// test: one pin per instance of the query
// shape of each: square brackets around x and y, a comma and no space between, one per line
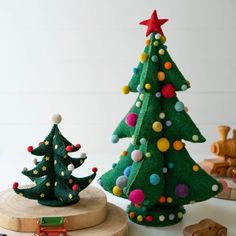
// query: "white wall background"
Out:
[73,57]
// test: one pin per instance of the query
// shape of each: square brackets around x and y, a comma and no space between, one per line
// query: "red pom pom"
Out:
[75,187]
[15,185]
[95,169]
[69,148]
[149,218]
[78,146]
[30,149]
[168,91]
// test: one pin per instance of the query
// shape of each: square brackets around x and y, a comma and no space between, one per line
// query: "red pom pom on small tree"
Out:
[15,185]
[75,187]
[30,148]
[78,146]
[95,169]
[69,148]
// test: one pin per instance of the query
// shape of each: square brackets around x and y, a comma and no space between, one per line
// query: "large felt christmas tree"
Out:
[54,183]
[156,173]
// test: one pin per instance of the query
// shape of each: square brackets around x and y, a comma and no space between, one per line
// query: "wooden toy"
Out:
[225,150]
[206,227]
[52,226]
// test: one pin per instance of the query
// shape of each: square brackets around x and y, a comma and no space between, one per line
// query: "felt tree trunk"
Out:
[156,173]
[54,183]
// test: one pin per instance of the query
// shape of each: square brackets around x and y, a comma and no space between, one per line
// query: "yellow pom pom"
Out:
[157,126]
[125,89]
[195,168]
[169,199]
[161,76]
[163,144]
[163,39]
[116,191]
[139,218]
[148,86]
[178,145]
[143,57]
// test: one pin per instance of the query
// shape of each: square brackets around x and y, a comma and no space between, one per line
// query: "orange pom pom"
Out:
[168,65]
[162,199]
[147,42]
[178,145]
[161,76]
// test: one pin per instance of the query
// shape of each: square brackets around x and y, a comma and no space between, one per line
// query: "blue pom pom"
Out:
[170,165]
[143,141]
[158,94]
[179,106]
[127,171]
[139,88]
[135,70]
[184,87]
[114,138]
[154,58]
[154,179]
[121,181]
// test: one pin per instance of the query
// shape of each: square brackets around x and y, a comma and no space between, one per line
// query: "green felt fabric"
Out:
[174,167]
[53,181]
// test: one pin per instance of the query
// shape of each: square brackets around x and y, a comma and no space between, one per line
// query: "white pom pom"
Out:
[35,161]
[70,167]
[56,119]
[83,155]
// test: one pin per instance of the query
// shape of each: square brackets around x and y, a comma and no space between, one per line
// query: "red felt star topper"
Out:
[154,24]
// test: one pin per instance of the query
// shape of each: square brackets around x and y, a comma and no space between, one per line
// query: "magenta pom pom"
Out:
[136,196]
[131,119]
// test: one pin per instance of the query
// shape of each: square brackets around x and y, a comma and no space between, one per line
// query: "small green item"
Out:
[51,221]
[54,183]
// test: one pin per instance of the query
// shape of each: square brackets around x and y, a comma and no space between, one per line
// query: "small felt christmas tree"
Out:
[156,173]
[54,183]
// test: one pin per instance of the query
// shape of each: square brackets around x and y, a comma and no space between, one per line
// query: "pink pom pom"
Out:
[69,148]
[30,149]
[131,119]
[149,218]
[40,143]
[136,155]
[95,169]
[168,91]
[136,196]
[15,185]
[75,187]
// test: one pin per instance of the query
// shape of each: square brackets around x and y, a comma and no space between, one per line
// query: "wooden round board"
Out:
[115,224]
[20,214]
